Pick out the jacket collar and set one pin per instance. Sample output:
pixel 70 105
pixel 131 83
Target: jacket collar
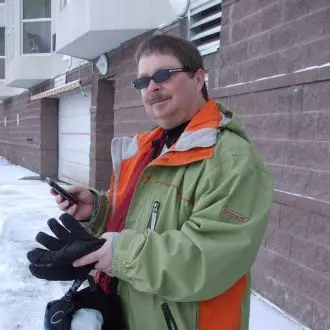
pixel 201 131
pixel 198 139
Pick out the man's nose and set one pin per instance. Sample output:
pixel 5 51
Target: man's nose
pixel 153 86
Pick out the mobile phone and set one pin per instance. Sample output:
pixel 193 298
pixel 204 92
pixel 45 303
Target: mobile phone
pixel 61 191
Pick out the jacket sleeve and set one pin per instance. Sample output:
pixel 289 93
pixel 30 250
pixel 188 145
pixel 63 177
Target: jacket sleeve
pixel 214 248
pixel 98 221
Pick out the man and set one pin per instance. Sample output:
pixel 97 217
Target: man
pixel 192 198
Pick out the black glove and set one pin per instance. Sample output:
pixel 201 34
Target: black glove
pixel 71 242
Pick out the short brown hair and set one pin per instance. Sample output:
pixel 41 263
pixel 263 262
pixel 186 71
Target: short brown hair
pixel 185 51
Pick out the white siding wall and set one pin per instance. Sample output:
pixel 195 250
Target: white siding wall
pixel 74 138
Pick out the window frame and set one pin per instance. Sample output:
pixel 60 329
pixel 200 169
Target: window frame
pixel 34 20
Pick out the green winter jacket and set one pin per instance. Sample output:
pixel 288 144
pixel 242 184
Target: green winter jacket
pixel 194 225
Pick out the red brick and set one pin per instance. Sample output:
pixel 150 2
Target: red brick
pixel 125 81
pixel 296 8
pixel 278 240
pixel 319 229
pixel 315 155
pixel 321 317
pixel 226 36
pixel 223 59
pixel 299 306
pixel 133 127
pixel 265 66
pixel 262 20
pixel 100 170
pixel 302 127
pixel 259 45
pixel 316 96
pixel 265 148
pixel 288 272
pixel 209 61
pixel 294 221
pixel 275 215
pixel 315 286
pixel 265 261
pixel 270 288
pixel 318 51
pixel 322 131
pixel 244 8
pixel 276 126
pixel 228 76
pixel 302 181
pixel 244 104
pixel 293 59
pixel 238 52
pixel 132 113
pixel 314 256
pixel 213 79
pixel 254 277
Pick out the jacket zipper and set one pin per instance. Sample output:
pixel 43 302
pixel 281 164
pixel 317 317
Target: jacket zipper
pixel 169 319
pixel 154 216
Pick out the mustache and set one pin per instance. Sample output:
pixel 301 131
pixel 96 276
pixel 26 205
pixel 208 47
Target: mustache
pixel 158 97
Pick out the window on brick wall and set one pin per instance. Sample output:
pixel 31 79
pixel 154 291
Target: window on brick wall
pixel 2 53
pixel 36 27
pixel 205 25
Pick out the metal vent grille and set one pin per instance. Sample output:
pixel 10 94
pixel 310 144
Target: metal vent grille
pixel 205 25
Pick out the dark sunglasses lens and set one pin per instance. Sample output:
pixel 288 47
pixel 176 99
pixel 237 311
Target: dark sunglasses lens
pixel 162 76
pixel 141 83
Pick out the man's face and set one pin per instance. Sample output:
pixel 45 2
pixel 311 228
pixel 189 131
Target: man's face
pixel 174 101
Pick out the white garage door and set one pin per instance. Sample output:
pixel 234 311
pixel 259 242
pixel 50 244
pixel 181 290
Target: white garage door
pixel 74 138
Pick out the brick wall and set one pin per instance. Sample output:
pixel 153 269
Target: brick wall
pixel 102 133
pixel 269 37
pixel 31 142
pixel 288 120
pixel 34 142
pixel 293 265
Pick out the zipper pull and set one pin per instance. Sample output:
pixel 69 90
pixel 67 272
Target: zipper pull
pixel 154 216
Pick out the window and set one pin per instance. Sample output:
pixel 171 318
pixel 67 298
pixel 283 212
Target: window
pixel 205 25
pixel 2 1
pixel 36 26
pixel 2 53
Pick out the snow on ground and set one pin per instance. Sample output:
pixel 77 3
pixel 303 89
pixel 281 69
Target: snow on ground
pixel 25 207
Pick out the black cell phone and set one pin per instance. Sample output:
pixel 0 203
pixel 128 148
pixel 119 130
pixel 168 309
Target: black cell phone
pixel 61 191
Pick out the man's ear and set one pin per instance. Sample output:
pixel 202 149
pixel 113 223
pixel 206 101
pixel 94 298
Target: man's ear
pixel 200 78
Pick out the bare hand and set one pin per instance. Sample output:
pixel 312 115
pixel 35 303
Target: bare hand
pixel 80 211
pixel 101 257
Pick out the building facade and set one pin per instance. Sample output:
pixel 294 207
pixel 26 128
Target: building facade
pixel 268 60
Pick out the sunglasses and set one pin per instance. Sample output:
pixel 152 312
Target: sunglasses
pixel 159 77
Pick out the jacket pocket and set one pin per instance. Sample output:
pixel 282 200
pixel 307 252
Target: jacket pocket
pixel 169 318
pixel 154 216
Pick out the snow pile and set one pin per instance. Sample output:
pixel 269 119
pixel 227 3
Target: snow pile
pixel 10 172
pixel 4 161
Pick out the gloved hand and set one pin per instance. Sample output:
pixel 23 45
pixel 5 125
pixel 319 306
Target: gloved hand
pixel 71 242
